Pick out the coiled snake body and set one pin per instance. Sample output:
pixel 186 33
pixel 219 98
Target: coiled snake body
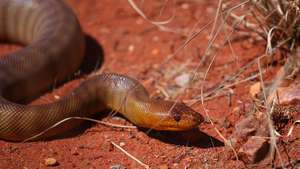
pixel 55 47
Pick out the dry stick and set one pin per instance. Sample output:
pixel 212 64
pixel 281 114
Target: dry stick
pixel 270 107
pixel 221 86
pixel 195 72
pixel 78 118
pixel 209 46
pixel 202 99
pixel 164 28
pixel 131 156
pixel 271 101
pixel 278 79
pixel 219 9
pixel 290 131
pixel 163 8
pixel 292 128
pixel 194 35
pixel 159 24
pixel 188 40
pixel 217 92
pixel 211 42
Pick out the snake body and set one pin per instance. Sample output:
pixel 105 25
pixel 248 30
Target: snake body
pixel 54 48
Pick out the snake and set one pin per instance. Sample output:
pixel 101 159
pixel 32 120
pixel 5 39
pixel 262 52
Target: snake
pixel 53 49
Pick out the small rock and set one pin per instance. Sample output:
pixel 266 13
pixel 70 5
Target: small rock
pixel 164 166
pixel 289 95
pixel 155 51
pixel 122 144
pixel 57 97
pixel 254 150
pixel 175 164
pixel 254 125
pixel 245 128
pixel 117 166
pixel 250 138
pixel 185 6
pixel 51 162
pixel 131 48
pixel 183 80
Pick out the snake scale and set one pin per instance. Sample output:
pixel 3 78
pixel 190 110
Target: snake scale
pixel 54 49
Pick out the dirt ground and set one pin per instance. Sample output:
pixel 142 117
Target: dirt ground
pixel 128 44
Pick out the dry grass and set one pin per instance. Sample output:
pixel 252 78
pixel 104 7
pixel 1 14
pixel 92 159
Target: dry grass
pixel 275 21
pixel 278 22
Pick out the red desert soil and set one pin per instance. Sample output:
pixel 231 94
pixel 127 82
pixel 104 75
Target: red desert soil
pixel 137 48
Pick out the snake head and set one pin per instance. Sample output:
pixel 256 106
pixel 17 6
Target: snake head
pixel 175 116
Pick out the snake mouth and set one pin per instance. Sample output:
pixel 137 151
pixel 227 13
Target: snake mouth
pixel 170 124
pixel 178 117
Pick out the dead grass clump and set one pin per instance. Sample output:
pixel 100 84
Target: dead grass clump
pixel 279 21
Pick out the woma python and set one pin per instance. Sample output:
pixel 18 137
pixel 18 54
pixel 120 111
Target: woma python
pixel 54 48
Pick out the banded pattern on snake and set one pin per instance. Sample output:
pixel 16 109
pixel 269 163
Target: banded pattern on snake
pixel 54 48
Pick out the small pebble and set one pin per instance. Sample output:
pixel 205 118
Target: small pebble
pixel 185 6
pixel 56 97
pixel 182 80
pixel 131 48
pixel 117 166
pixel 51 162
pixel 155 51
pixel 122 144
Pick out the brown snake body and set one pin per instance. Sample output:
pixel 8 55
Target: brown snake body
pixel 54 48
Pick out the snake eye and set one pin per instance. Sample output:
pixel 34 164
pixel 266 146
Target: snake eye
pixel 176 115
pixel 178 109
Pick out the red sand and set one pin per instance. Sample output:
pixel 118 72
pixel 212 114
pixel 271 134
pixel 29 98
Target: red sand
pixel 137 48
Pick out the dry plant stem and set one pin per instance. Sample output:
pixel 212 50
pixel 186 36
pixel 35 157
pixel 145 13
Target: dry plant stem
pixel 269 108
pixel 280 21
pixel 212 39
pixel 292 128
pixel 186 42
pixel 131 156
pixel 223 84
pixel 196 33
pixel 159 24
pixel 219 91
pixel 78 118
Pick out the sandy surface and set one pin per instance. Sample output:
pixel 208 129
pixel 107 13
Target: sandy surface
pixel 132 46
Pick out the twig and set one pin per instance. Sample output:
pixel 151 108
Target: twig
pixel 270 107
pixel 72 118
pixel 159 24
pixel 131 156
